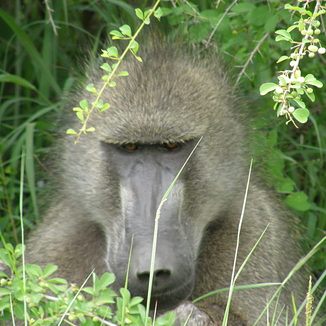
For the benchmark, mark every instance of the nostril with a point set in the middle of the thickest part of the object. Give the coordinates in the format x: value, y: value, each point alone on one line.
x: 162, y: 274
x: 143, y: 277
x: 159, y: 275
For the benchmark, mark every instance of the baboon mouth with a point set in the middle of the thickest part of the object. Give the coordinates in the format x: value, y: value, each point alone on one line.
x: 168, y: 299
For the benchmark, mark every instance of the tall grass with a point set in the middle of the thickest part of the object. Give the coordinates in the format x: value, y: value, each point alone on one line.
x: 43, y: 54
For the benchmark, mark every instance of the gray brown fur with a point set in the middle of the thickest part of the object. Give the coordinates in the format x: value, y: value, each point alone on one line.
x: 171, y: 97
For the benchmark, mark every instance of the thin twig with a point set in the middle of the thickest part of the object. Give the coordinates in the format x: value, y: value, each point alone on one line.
x: 250, y: 58
x: 219, y: 22
x: 49, y: 10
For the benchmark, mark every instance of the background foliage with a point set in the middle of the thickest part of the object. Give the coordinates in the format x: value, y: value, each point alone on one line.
x: 42, y: 53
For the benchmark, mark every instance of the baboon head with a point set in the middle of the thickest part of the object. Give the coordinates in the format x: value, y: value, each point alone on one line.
x: 117, y: 176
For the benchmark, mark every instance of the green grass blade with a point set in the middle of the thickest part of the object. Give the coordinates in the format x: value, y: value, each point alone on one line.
x: 30, y: 170
x: 31, y: 50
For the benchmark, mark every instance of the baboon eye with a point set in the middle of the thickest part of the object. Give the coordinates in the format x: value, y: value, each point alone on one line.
x: 130, y: 147
x: 170, y: 146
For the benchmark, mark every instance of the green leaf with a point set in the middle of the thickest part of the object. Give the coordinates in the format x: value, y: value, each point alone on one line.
x: 135, y: 301
x: 175, y: 19
x: 126, y: 30
x: 91, y: 129
x: 106, y: 67
x: 282, y: 80
x: 106, y: 280
x: 296, y: 85
x: 116, y: 35
x: 139, y: 14
x: 112, y: 52
x: 210, y: 14
x: 300, y: 103
x: 302, y: 11
x: 36, y: 288
x: 267, y: 87
x: 278, y: 107
x: 311, y: 96
x: 290, y: 7
x: 20, y: 248
x: 9, y: 248
x: 298, y: 201
x: 4, y: 291
x: 98, y: 104
x: 291, y: 28
x: 282, y: 58
x: 301, y: 115
x: 300, y: 91
x: 88, y: 290
x: 84, y: 105
x: 214, y: 17
x: 259, y: 15
x: 125, y: 295
x: 58, y: 280
x: 106, y: 297
x: 271, y: 23
x: 158, y: 13
x: 123, y: 73
x: 243, y: 7
x: 91, y: 88
x: 286, y: 35
x: 166, y: 11
x: 105, y: 107
x: 50, y: 269
x: 279, y: 38
x: 80, y: 116
x: 146, y: 15
x: 167, y: 320
x: 134, y: 46
x: 71, y: 132
x: 286, y: 185
x: 198, y: 32
x: 34, y: 270
x: 311, y: 80
x: 4, y: 257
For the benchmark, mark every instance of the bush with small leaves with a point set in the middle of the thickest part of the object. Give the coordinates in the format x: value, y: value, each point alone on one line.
x: 32, y: 294
x: 287, y: 94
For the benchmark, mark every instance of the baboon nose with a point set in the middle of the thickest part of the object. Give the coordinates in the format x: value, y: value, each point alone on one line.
x: 160, y: 277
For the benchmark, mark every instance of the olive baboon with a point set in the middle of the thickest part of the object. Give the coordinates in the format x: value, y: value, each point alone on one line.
x: 111, y: 183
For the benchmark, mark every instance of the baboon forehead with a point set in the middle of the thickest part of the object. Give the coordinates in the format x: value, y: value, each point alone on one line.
x: 164, y: 98
x: 124, y: 126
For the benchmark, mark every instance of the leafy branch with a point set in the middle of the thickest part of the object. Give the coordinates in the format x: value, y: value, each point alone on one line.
x: 85, y: 110
x: 287, y: 94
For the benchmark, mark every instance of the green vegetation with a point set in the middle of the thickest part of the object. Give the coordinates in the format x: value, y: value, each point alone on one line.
x: 42, y: 53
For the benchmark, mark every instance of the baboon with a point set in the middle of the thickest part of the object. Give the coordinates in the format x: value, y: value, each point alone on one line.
x: 110, y: 184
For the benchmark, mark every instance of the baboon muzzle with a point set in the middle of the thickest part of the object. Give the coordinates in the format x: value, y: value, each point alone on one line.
x: 144, y: 184
x: 172, y: 279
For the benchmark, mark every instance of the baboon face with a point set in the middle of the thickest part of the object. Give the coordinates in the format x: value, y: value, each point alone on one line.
x: 145, y: 172
x: 157, y: 116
